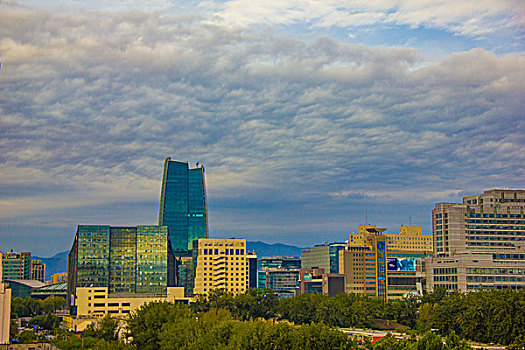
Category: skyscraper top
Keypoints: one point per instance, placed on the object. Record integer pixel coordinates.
(183, 204)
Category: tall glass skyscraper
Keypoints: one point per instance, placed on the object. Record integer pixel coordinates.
(183, 205)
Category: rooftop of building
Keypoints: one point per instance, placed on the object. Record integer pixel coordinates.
(28, 283)
(57, 287)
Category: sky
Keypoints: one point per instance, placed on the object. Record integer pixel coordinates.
(310, 116)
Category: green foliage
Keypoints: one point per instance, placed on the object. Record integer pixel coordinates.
(143, 326)
(215, 329)
(21, 307)
(48, 322)
(26, 337)
(343, 310)
(453, 342)
(13, 330)
(489, 316)
(107, 329)
(255, 303)
(404, 311)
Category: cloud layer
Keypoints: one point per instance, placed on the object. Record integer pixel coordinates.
(297, 135)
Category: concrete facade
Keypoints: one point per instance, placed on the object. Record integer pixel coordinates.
(479, 243)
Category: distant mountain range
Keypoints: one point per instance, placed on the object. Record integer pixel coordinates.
(278, 249)
(58, 262)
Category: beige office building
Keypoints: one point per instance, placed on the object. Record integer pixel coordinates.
(5, 309)
(220, 264)
(479, 243)
(388, 266)
(409, 238)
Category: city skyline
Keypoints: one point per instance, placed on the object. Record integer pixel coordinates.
(310, 118)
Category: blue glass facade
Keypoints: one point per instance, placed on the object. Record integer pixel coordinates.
(183, 205)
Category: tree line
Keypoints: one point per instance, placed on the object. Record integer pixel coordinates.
(166, 326)
(258, 319)
(488, 316)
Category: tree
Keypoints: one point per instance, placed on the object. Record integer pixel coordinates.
(255, 303)
(49, 322)
(429, 341)
(52, 304)
(13, 329)
(107, 328)
(453, 342)
(144, 325)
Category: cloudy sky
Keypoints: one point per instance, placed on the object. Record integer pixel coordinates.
(310, 116)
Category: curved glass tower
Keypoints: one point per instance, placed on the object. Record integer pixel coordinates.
(183, 205)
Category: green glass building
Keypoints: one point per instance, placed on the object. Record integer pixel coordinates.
(324, 256)
(183, 205)
(16, 266)
(127, 260)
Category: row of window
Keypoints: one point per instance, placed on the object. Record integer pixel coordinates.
(495, 271)
(499, 233)
(445, 271)
(226, 251)
(490, 279)
(499, 286)
(501, 227)
(504, 216)
(507, 222)
(445, 278)
(508, 256)
(109, 304)
(449, 286)
(489, 244)
(492, 238)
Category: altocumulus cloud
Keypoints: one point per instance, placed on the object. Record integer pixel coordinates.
(296, 135)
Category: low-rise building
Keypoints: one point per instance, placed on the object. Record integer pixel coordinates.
(283, 281)
(97, 301)
(315, 281)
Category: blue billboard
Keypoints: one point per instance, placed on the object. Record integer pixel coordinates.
(397, 264)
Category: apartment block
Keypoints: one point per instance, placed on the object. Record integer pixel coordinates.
(220, 263)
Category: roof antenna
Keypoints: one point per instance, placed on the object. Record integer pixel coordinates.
(409, 221)
(366, 216)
